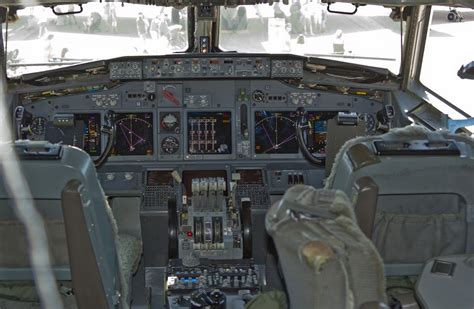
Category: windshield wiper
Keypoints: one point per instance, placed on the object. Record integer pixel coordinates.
(43, 64)
(346, 56)
(59, 74)
(348, 71)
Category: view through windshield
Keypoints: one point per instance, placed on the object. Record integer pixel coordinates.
(305, 27)
(41, 40)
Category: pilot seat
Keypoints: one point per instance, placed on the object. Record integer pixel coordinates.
(84, 242)
(412, 191)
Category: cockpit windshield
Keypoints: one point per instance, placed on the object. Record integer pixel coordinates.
(42, 40)
(369, 37)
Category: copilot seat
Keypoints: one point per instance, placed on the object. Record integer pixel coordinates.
(413, 194)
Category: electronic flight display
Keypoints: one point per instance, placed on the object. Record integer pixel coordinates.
(134, 134)
(80, 130)
(275, 132)
(209, 133)
(316, 138)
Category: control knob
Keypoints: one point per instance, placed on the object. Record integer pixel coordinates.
(295, 100)
(213, 299)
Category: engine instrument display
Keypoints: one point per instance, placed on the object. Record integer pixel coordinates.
(209, 133)
(275, 132)
(80, 130)
(134, 134)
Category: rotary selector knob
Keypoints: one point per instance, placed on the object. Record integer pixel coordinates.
(128, 176)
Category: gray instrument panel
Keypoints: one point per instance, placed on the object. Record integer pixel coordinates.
(168, 111)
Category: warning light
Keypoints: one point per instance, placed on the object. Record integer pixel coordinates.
(190, 234)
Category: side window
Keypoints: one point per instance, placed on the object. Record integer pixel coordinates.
(449, 46)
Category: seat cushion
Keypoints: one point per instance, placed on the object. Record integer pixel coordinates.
(22, 294)
(268, 300)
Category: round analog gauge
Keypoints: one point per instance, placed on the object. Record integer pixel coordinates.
(170, 145)
(170, 122)
(258, 96)
(38, 125)
(370, 122)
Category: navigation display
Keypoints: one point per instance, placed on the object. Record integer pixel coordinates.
(275, 132)
(316, 139)
(134, 134)
(209, 133)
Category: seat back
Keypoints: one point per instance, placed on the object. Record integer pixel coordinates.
(424, 204)
(327, 261)
(80, 227)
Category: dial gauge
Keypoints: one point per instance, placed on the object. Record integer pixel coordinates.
(258, 96)
(38, 125)
(134, 134)
(170, 122)
(370, 122)
(170, 145)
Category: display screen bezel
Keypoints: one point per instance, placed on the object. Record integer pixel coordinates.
(155, 143)
(231, 144)
(296, 155)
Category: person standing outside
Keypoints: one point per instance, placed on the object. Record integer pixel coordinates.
(42, 24)
(155, 28)
(113, 18)
(142, 29)
(71, 18)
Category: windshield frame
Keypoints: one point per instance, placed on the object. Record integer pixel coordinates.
(413, 63)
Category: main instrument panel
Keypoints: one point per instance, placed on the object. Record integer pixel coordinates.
(182, 109)
(226, 122)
